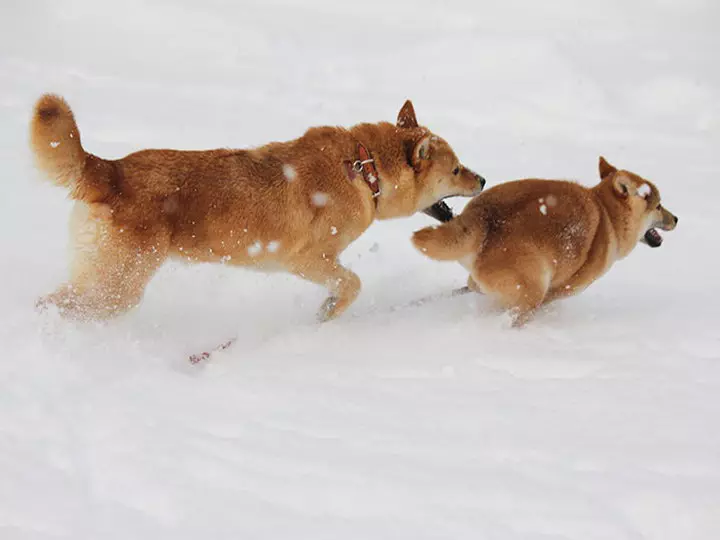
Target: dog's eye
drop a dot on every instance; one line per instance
(456, 171)
(658, 207)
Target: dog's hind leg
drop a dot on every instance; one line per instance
(520, 286)
(473, 286)
(343, 284)
(110, 266)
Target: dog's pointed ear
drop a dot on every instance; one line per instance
(605, 168)
(421, 152)
(406, 117)
(621, 185)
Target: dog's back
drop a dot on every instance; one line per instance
(557, 217)
(202, 201)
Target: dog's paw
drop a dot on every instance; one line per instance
(65, 301)
(519, 318)
(60, 300)
(43, 303)
(328, 310)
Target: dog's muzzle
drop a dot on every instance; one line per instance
(653, 238)
(480, 180)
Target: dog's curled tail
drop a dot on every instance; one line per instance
(55, 141)
(450, 241)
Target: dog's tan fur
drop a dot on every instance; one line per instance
(287, 206)
(529, 242)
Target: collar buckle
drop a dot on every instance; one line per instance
(365, 165)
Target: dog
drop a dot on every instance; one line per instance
(288, 206)
(529, 242)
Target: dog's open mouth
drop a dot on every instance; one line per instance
(652, 238)
(440, 211)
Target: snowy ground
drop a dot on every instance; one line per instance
(598, 421)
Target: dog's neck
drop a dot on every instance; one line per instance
(619, 215)
(388, 146)
(398, 196)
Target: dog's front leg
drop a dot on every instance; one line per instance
(343, 284)
(65, 298)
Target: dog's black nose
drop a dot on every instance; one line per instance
(676, 219)
(480, 179)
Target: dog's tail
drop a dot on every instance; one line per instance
(450, 241)
(55, 141)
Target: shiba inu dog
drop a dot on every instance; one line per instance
(529, 242)
(291, 206)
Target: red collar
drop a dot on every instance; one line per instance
(365, 164)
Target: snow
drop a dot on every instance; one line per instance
(319, 199)
(255, 249)
(543, 209)
(289, 172)
(644, 191)
(273, 246)
(54, 144)
(597, 421)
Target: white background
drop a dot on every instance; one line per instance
(598, 421)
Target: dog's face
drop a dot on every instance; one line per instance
(643, 200)
(438, 171)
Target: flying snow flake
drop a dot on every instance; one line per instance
(543, 209)
(320, 199)
(225, 259)
(255, 249)
(644, 191)
(333, 230)
(54, 144)
(289, 172)
(273, 246)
